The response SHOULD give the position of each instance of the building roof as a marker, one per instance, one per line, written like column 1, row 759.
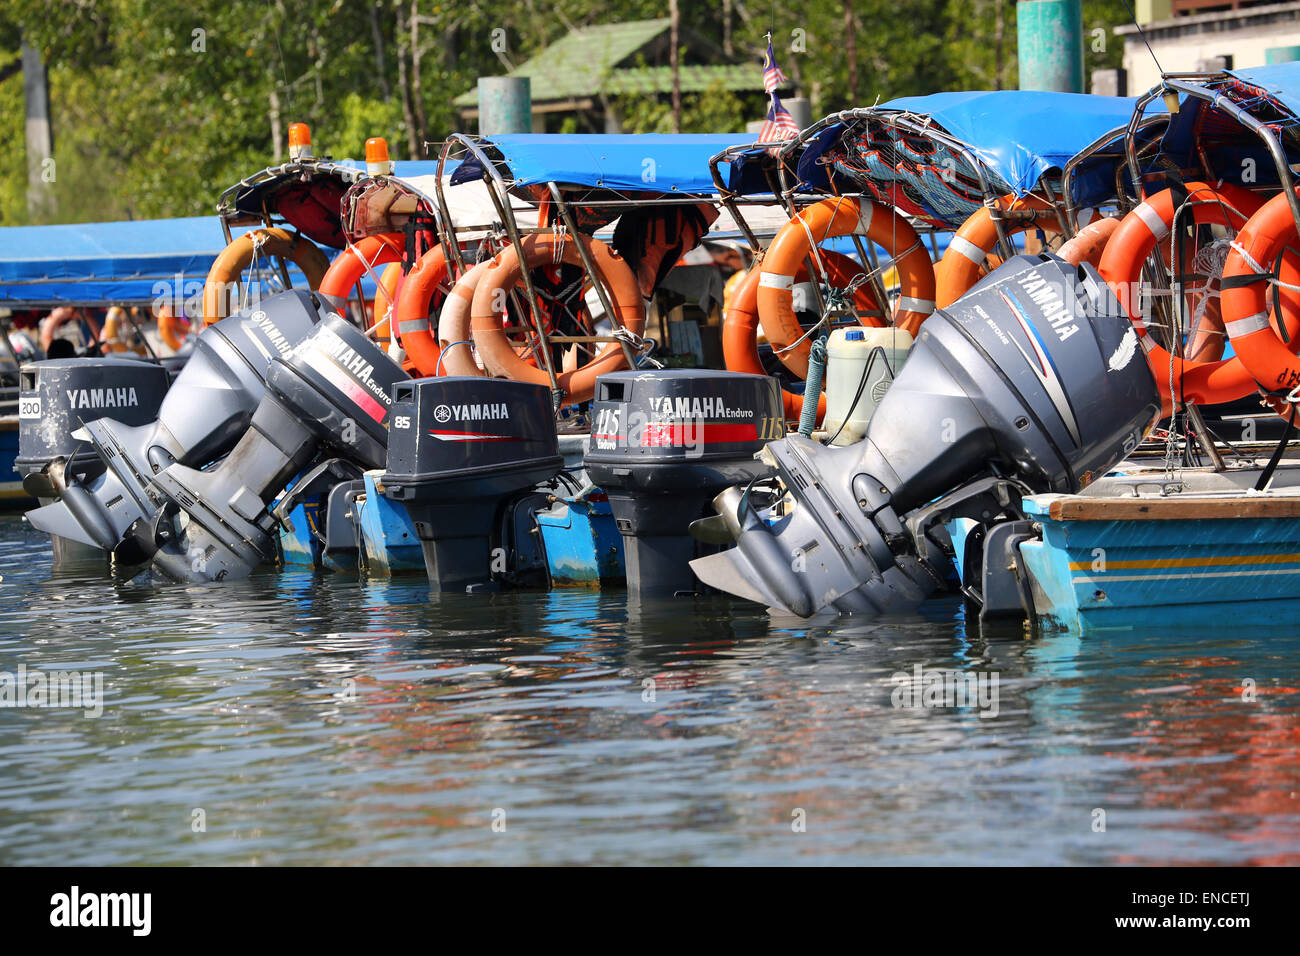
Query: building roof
column 587, row 61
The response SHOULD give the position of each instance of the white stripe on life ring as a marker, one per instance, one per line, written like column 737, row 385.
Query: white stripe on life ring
column 1251, row 323
column 774, row 280
column 922, row 306
column 1159, row 228
column 968, row 249
column 866, row 210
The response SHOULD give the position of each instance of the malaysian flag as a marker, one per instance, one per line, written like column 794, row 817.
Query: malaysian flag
column 779, row 125
column 772, row 75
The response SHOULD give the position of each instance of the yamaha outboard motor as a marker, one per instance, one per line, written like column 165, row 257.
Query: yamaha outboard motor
column 459, row 450
column 1033, row 382
column 663, row 444
column 332, row 390
column 55, row 399
column 206, row 410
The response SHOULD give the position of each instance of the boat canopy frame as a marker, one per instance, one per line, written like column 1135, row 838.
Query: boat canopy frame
column 562, row 194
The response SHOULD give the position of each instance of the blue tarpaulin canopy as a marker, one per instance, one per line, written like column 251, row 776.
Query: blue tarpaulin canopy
column 104, row 263
column 1021, row 134
column 621, row 162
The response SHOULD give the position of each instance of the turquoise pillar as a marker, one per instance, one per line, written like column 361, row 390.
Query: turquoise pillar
column 1282, row 54
column 1049, row 37
column 505, row 105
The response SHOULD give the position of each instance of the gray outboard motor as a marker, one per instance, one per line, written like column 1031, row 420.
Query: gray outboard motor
column 333, row 390
column 459, row 449
column 663, row 444
column 55, row 399
column 58, row 396
column 1032, row 382
column 206, row 410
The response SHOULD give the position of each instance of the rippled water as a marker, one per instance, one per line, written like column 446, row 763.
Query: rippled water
column 322, row 719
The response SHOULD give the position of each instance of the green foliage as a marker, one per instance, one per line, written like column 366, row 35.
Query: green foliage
column 158, row 105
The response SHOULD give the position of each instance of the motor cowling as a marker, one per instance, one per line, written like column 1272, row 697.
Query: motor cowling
column 663, row 444
column 1032, row 382
column 459, row 450
column 59, row 396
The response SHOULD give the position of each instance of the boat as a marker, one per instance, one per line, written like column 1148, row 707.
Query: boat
column 1205, row 520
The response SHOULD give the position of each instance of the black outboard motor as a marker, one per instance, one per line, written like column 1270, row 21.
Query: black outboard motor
column 203, row 414
column 459, row 449
column 663, row 444
column 332, row 390
column 1032, row 382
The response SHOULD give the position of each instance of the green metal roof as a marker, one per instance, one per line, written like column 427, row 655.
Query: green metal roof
column 693, row 79
column 587, row 60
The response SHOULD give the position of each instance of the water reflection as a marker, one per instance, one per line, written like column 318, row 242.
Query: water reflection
column 322, row 719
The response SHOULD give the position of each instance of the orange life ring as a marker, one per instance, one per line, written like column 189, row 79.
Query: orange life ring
column 740, row 322
column 740, row 346
column 487, row 311
column 172, row 329
column 412, row 310
column 454, row 324
column 1089, row 242
column 111, row 338
column 390, row 284
column 959, row 269
column 236, row 257
column 1245, row 298
column 1204, row 383
column 353, row 262
column 816, row 224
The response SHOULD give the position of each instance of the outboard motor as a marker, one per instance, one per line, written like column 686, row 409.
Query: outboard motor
column 332, row 390
column 1033, row 382
column 55, row 399
column 459, row 449
column 663, row 444
column 206, row 410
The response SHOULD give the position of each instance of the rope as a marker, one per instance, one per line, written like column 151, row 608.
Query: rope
column 437, row 369
column 639, row 344
column 812, row 392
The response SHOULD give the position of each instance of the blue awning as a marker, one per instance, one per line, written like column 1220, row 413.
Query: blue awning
column 1021, row 134
column 106, row 263
column 1201, row 136
column 630, row 162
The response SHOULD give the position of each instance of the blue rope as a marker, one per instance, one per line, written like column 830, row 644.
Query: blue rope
column 812, row 392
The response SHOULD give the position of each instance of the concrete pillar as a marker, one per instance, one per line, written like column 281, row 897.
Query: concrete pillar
column 1050, row 45
column 1148, row 11
column 40, row 143
column 1110, row 82
column 800, row 108
column 505, row 105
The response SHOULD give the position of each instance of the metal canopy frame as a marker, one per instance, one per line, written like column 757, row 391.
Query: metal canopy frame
column 1188, row 84
column 563, row 197
column 923, row 125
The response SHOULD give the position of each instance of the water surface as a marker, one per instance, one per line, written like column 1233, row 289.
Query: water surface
column 321, row 719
